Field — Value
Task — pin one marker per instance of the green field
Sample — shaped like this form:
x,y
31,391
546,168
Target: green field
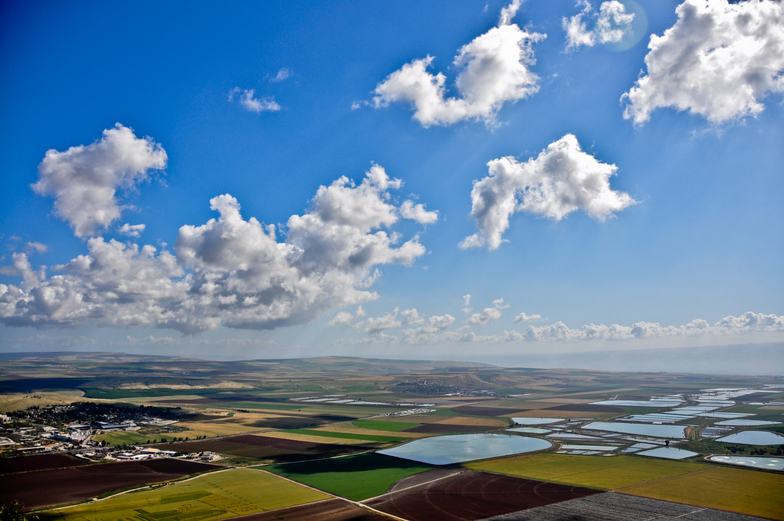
x,y
354,477
746,491
210,497
348,435
381,425
588,471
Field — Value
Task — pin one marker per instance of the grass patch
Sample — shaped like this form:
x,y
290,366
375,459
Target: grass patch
x,y
210,497
588,471
348,435
354,477
381,425
744,491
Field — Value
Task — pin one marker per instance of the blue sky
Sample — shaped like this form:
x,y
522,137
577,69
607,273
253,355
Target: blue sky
x,y
678,243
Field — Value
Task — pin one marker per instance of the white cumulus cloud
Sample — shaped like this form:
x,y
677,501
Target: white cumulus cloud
x,y
84,180
132,230
346,319
247,98
611,24
238,273
494,69
488,314
719,60
522,317
560,180
417,212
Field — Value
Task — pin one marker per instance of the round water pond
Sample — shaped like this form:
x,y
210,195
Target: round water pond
x,y
445,450
751,461
754,438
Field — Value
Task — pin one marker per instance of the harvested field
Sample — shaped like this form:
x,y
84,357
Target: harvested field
x,y
284,435
589,471
447,428
484,422
586,407
620,507
348,435
218,495
353,477
62,486
329,510
472,495
261,447
40,462
474,410
744,491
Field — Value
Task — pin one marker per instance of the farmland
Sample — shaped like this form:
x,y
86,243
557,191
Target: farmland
x,y
736,490
470,495
354,477
214,496
588,471
319,422
69,485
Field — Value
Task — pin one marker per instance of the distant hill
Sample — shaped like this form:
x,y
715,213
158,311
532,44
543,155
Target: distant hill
x,y
739,359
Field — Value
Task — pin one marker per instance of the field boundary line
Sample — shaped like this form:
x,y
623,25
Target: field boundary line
x,y
333,496
418,485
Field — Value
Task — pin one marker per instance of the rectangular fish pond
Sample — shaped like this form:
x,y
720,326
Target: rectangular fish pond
x,y
642,429
751,461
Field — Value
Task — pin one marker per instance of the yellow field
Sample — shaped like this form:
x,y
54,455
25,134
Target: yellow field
x,y
744,491
19,401
209,497
588,471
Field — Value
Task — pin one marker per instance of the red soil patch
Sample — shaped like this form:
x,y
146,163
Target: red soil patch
x,y
486,411
329,510
41,462
261,447
446,428
62,486
472,495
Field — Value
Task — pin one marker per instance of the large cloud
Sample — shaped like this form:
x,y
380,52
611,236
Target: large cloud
x,y
84,180
240,274
493,70
719,60
560,180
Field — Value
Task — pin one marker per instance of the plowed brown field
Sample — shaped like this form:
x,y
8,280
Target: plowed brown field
x,y
62,486
471,495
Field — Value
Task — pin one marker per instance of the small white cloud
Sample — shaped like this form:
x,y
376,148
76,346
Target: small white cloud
x,y
247,98
499,304
719,60
560,180
84,180
522,317
612,23
36,247
132,230
376,325
411,317
485,317
494,69
429,331
466,303
283,74
409,210
346,319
